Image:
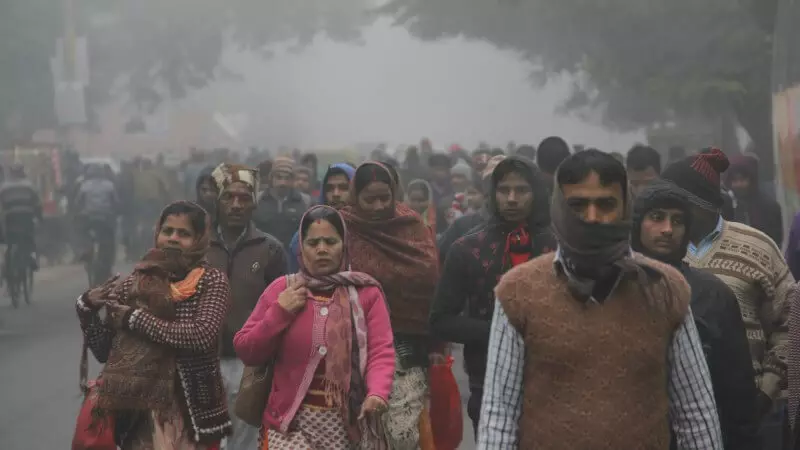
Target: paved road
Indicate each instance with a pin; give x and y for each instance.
(39, 352)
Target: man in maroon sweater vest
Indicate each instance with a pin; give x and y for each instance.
(594, 347)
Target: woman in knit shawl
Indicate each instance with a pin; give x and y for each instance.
(159, 341)
(419, 197)
(391, 242)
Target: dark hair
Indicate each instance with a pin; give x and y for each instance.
(578, 166)
(309, 158)
(195, 213)
(527, 151)
(498, 151)
(327, 214)
(552, 151)
(440, 160)
(369, 172)
(640, 157)
(390, 165)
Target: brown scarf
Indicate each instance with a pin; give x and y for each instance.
(140, 375)
(398, 251)
(592, 251)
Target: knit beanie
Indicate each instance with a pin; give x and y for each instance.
(700, 175)
(461, 168)
(283, 164)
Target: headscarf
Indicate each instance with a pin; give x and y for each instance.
(398, 250)
(226, 174)
(162, 278)
(593, 251)
(661, 194)
(429, 215)
(345, 363)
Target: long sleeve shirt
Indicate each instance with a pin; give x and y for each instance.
(692, 411)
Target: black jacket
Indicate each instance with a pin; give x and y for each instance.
(280, 219)
(464, 302)
(719, 324)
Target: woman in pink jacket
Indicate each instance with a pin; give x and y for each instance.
(327, 330)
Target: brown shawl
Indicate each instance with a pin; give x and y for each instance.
(399, 252)
(140, 375)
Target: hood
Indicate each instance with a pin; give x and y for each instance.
(338, 167)
(660, 194)
(746, 165)
(540, 214)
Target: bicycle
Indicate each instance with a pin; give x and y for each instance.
(19, 274)
(98, 265)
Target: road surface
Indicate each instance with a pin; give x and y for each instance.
(39, 352)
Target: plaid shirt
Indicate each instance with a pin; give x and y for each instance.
(692, 409)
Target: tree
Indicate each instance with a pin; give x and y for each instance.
(149, 50)
(638, 61)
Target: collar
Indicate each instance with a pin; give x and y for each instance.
(239, 240)
(715, 233)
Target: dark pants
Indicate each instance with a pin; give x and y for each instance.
(474, 409)
(105, 234)
(775, 432)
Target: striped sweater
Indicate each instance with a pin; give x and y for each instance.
(752, 265)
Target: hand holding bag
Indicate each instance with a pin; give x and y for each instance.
(94, 429)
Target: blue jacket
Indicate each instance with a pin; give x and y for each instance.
(294, 245)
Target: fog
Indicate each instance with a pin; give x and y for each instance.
(396, 89)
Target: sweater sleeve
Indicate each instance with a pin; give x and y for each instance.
(777, 342)
(446, 318)
(199, 333)
(257, 340)
(380, 347)
(97, 334)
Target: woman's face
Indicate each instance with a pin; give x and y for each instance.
(322, 248)
(176, 233)
(417, 199)
(375, 200)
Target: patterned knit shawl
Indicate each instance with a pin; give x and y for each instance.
(398, 251)
(140, 375)
(794, 353)
(346, 335)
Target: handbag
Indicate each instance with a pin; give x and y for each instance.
(254, 389)
(94, 429)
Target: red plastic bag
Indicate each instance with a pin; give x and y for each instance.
(93, 431)
(446, 418)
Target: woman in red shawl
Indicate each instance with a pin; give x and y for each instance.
(391, 243)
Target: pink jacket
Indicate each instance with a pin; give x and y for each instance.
(297, 342)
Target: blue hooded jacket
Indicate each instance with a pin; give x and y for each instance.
(294, 246)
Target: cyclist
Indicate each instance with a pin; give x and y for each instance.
(21, 208)
(97, 207)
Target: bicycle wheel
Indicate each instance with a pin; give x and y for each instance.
(11, 277)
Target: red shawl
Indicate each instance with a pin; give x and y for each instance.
(400, 253)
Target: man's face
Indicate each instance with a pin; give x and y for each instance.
(663, 231)
(514, 198)
(593, 202)
(440, 174)
(236, 205)
(479, 161)
(740, 184)
(639, 179)
(474, 198)
(337, 190)
(282, 182)
(208, 192)
(301, 182)
(459, 182)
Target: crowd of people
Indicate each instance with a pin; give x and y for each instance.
(602, 302)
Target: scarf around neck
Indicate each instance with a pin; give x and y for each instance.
(160, 280)
(346, 332)
(594, 251)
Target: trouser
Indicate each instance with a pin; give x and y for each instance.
(244, 436)
(775, 427)
(105, 234)
(474, 409)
